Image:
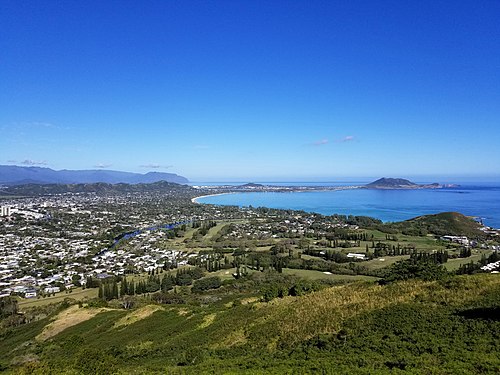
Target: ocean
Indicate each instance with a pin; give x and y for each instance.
(478, 200)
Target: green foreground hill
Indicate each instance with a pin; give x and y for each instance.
(450, 326)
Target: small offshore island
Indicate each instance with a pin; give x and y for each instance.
(400, 183)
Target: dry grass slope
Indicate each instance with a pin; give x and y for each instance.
(68, 318)
(137, 315)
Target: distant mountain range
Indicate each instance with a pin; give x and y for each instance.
(401, 183)
(16, 175)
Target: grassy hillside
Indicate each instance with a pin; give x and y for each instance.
(444, 223)
(442, 327)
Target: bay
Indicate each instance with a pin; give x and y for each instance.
(482, 201)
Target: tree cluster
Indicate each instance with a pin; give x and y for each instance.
(287, 287)
(424, 268)
(109, 289)
(207, 283)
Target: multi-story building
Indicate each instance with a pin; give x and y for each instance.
(5, 211)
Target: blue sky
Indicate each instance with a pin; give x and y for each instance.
(255, 90)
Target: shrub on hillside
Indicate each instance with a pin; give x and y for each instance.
(167, 298)
(206, 284)
(280, 289)
(93, 361)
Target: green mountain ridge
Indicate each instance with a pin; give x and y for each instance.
(18, 175)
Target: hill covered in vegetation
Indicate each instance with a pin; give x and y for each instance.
(447, 326)
(444, 223)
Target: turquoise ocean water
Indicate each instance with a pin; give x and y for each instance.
(480, 200)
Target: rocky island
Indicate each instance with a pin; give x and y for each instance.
(401, 183)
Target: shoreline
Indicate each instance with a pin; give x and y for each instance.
(194, 200)
(386, 214)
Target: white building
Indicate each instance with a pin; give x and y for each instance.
(5, 211)
(457, 239)
(356, 256)
(30, 293)
(52, 289)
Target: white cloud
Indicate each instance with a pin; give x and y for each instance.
(33, 162)
(348, 138)
(155, 166)
(102, 165)
(321, 142)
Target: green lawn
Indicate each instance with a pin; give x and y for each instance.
(178, 243)
(263, 249)
(187, 234)
(428, 243)
(77, 294)
(318, 275)
(454, 264)
(422, 243)
(226, 274)
(377, 263)
(214, 230)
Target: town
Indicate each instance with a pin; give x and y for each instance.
(54, 243)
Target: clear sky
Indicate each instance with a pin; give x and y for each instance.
(257, 90)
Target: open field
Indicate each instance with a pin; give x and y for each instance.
(187, 234)
(318, 275)
(179, 244)
(424, 244)
(214, 230)
(376, 264)
(454, 264)
(421, 242)
(77, 294)
(224, 274)
(263, 249)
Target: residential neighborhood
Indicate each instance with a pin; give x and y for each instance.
(54, 243)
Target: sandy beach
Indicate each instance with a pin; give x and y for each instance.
(194, 200)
